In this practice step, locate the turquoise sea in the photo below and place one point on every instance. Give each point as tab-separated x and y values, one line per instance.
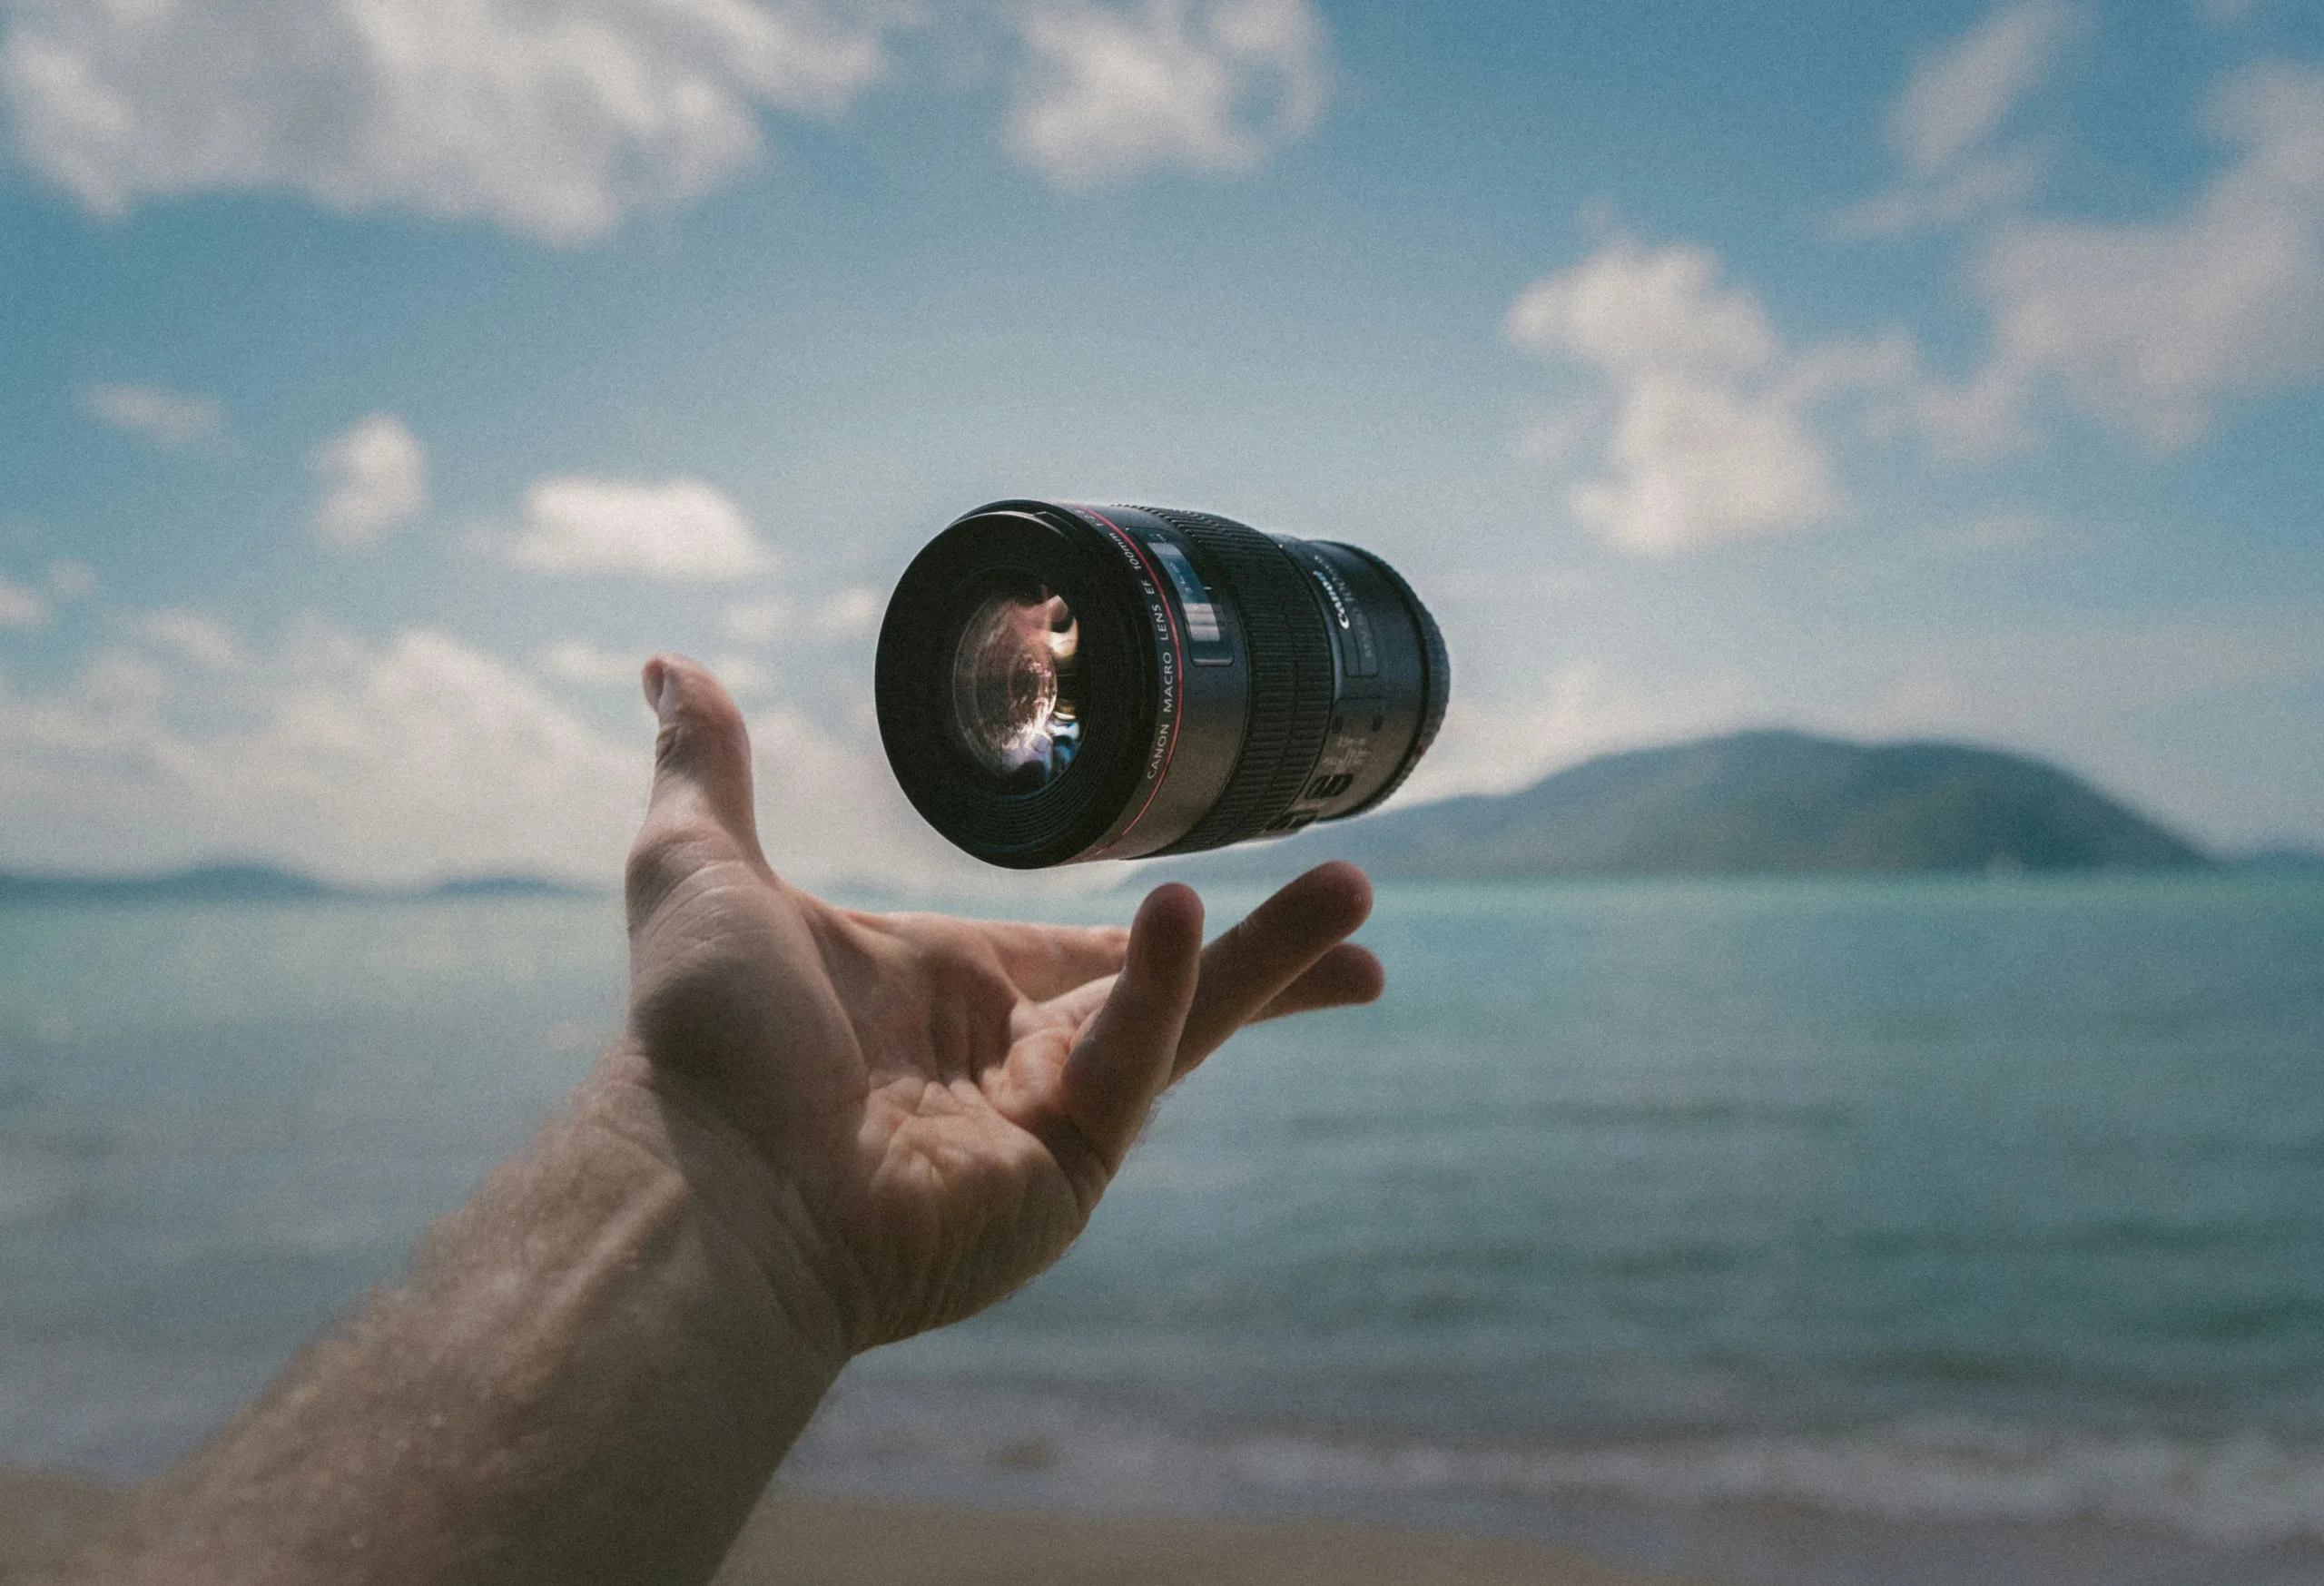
1834	1231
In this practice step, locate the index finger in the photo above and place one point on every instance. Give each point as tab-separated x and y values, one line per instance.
1272	948
1123	1057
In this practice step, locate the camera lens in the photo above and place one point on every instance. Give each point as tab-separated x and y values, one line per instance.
1060	682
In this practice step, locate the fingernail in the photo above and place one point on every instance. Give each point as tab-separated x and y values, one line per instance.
660	692
668	699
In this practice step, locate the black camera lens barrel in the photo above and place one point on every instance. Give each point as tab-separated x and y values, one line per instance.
1061	682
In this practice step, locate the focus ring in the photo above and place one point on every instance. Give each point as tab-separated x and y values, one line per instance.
1290	655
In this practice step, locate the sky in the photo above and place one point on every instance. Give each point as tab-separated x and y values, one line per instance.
382	380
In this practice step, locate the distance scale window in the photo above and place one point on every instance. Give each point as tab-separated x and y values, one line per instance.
1206	640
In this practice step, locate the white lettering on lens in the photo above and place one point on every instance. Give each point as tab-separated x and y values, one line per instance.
1167	716
1332	595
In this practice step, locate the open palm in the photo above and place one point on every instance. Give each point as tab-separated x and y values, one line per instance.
939	1102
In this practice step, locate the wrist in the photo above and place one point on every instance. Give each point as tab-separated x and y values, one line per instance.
769	1246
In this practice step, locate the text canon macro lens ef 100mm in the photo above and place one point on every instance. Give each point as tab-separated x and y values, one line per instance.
1061	682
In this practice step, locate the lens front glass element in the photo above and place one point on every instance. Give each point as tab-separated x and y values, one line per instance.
1016	696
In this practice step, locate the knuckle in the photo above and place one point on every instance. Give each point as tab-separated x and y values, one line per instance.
664	855
699	719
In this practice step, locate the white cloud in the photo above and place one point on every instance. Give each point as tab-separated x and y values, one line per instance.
1712	434
1941	126
1960	94
2200	734
579	661
1108	91
417	757
374	477
169	420
1974	186
394	761
596	666
759	622
190	637
559	119
71	579
2150	327
679	529
2037	684
830	812
21	607
1577	709
852	612
1629	308
554	120
2194	711
746	676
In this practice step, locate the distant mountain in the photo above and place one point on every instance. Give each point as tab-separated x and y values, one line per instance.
1764	802
504	886
248	883
205	884
2282	862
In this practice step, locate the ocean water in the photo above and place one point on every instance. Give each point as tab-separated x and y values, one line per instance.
1848	1231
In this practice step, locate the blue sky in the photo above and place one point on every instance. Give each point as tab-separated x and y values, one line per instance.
380	382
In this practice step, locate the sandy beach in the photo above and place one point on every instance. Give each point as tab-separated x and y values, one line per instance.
838	1542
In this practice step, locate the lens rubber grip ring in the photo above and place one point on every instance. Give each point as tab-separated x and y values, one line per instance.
1284	632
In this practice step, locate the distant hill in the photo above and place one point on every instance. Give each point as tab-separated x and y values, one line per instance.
1755	803
504	886
2302	862
205	883
249	883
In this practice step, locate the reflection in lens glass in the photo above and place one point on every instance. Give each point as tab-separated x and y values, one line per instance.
1016	706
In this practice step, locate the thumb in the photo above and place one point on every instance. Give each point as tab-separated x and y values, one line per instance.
702	759
1121	1064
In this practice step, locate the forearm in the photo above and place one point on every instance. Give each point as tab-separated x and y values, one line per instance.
591	1375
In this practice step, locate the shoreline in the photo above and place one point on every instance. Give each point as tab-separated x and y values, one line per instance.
859	1541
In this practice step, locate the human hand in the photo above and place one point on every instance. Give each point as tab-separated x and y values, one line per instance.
931	1107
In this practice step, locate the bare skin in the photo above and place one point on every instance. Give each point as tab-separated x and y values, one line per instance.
823	1131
